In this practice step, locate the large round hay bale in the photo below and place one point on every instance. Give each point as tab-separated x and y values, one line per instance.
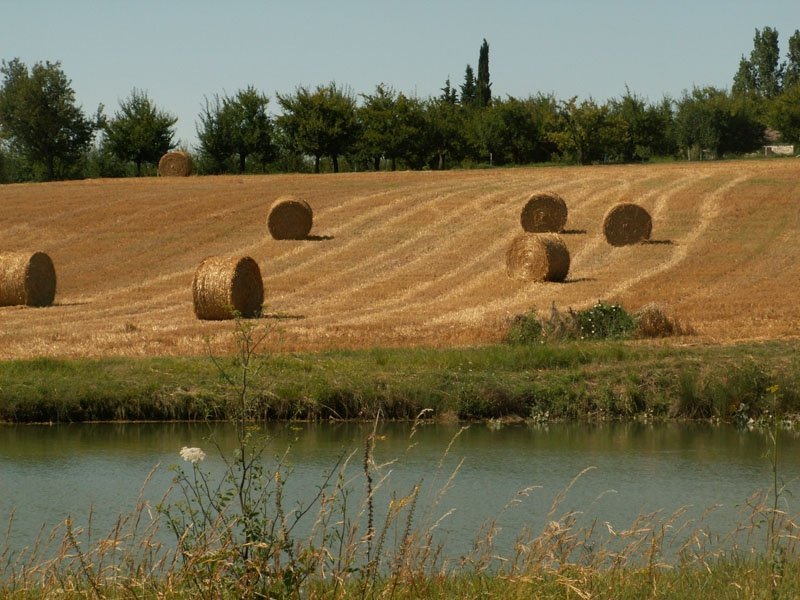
26	279
175	164
537	257
290	218
627	223
224	287
544	212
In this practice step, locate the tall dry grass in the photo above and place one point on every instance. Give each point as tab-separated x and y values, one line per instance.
365	538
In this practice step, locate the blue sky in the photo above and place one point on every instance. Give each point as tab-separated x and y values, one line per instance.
182	51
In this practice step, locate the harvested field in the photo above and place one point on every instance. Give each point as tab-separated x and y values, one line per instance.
401	259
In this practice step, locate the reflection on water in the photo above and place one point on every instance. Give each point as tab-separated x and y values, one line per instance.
50	472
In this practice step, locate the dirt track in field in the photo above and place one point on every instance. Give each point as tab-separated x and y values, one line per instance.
401	259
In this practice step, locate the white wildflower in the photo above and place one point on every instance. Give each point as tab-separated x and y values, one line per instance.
192	455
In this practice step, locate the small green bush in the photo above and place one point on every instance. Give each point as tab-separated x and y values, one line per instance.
600	322
605	321
525	329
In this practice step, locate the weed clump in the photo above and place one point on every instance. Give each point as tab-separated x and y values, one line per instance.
605	321
652	321
602	321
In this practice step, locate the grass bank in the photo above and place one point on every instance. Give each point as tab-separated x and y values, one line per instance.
574	380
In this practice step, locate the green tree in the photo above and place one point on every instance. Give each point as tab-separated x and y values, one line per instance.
444	132
319	123
250	126
514	131
469	88
483	90
40	119
589	132
377	116
392	127
237	126
139	132
744	82
784	114
762	73
711	120
410	145
791	74
215	134
646	130
449	93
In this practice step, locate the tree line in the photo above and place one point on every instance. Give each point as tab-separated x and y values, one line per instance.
44	135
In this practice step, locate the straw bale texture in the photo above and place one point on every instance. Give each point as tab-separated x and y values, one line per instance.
537	257
26	279
223	286
175	164
290	218
627	223
544	212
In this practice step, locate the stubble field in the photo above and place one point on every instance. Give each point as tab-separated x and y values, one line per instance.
400	259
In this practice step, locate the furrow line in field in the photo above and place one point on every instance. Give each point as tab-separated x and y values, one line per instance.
187	273
379	267
404	302
292	256
525	295
357	250
709	209
661	195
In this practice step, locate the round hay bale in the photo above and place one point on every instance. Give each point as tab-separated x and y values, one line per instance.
626	224
175	164
537	257
544	212
223	287
290	218
26	279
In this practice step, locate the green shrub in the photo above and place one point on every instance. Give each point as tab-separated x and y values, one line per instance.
525	329
600	322
605	321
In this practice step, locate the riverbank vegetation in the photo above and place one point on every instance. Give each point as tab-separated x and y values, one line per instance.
235	535
593	380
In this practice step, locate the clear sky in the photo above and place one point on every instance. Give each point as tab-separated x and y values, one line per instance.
181	51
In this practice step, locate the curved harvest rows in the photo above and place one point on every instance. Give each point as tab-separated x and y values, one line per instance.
400	258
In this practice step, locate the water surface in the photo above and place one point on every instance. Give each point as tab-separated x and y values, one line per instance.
48	473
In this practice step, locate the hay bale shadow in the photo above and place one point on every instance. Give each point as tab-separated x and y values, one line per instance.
660	242
319	238
579	279
574	232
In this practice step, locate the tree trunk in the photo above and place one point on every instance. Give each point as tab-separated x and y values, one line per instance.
316	163
138	168
242	160
376	163
51	168
335	159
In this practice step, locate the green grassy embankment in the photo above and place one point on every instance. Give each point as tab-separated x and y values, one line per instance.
586	380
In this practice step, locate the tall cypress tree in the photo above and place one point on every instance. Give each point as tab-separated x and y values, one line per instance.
484	87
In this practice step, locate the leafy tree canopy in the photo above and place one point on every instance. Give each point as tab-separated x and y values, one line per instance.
320	123
40	119
139	131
